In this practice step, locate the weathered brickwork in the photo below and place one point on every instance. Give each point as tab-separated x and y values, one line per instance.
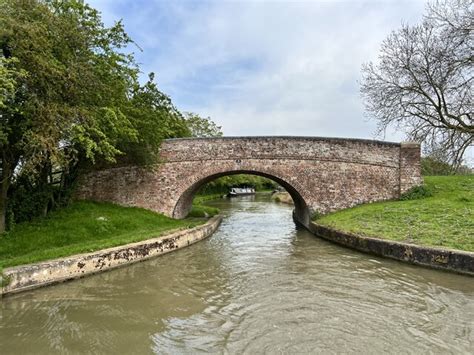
321	174
410	170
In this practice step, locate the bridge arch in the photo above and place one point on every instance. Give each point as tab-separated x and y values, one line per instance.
301	212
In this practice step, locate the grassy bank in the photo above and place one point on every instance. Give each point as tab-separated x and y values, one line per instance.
444	219
202	211
200	199
83	227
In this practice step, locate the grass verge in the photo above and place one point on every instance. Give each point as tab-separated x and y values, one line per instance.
83	227
200	211
444	217
200	199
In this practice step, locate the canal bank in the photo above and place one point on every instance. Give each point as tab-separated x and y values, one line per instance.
440	258
26	277
430	226
437	258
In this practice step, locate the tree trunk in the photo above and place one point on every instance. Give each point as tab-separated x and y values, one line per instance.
44	185
3	212
4	185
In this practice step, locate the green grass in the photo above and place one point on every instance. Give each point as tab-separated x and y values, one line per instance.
200	199
200	211
83	227
444	219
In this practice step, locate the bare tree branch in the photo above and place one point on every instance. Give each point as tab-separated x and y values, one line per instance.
422	82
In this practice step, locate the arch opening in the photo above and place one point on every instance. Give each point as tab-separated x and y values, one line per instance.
301	213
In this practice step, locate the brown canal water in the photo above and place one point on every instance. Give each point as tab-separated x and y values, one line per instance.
258	285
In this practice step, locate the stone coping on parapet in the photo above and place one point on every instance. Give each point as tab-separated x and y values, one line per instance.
27	277
315	138
458	261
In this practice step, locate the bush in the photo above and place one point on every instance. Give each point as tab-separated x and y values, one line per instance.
434	167
416	192
316	215
29	199
26	203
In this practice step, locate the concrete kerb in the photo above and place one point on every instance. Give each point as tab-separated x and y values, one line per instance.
458	261
26	277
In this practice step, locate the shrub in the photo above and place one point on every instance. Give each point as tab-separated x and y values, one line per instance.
416	192
434	167
316	215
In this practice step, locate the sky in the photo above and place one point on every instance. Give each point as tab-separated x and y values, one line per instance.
264	67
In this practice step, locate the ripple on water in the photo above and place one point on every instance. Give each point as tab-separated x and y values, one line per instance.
257	286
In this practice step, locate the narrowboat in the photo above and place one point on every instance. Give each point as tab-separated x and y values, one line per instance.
241	191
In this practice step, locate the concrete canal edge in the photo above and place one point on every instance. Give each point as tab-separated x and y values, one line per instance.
445	259
26	277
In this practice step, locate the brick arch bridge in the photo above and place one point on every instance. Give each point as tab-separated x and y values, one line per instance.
321	174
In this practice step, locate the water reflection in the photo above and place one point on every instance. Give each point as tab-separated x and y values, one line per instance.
257	286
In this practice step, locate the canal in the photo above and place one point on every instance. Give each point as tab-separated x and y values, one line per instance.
258	285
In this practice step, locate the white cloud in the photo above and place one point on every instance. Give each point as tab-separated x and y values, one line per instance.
265	68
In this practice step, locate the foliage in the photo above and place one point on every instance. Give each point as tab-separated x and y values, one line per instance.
416	193
316	216
83	227
200	198
432	166
29	198
223	184
219	187
446	219
201	211
70	98
27	202
68	78
75	80
155	118
9	76
202	127
423	80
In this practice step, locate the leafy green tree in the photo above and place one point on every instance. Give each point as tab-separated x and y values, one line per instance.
9	76
155	118
69	94
64	79
202	127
